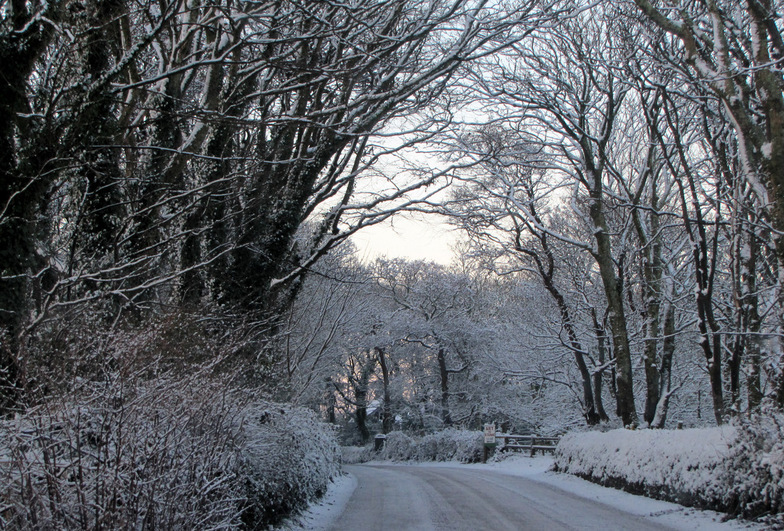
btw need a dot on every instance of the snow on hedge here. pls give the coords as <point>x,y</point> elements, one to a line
<point>287,459</point>
<point>125,454</point>
<point>756,471</point>
<point>686,466</point>
<point>738,468</point>
<point>171,453</point>
<point>446,445</point>
<point>451,445</point>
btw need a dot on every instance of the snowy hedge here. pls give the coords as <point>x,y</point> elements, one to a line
<point>446,445</point>
<point>451,445</point>
<point>167,453</point>
<point>686,466</point>
<point>287,458</point>
<point>738,469</point>
<point>756,469</point>
<point>398,447</point>
<point>128,455</point>
<point>352,455</point>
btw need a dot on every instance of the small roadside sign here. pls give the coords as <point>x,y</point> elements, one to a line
<point>489,433</point>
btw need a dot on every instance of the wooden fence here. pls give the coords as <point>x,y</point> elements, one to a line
<point>526,443</point>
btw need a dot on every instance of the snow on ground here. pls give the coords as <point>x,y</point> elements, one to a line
<point>323,513</point>
<point>666,513</point>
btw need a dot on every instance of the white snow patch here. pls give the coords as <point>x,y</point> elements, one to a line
<point>322,513</point>
<point>767,150</point>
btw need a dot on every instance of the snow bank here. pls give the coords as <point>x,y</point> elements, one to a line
<point>322,513</point>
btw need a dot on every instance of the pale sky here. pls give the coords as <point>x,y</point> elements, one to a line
<point>419,238</point>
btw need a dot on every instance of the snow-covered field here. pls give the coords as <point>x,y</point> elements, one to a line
<point>321,515</point>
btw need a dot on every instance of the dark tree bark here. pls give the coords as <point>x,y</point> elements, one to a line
<point>598,375</point>
<point>24,181</point>
<point>443,375</point>
<point>387,415</point>
<point>361,389</point>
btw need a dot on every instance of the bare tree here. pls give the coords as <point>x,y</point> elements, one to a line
<point>171,154</point>
<point>503,204</point>
<point>562,91</point>
<point>436,302</point>
<point>734,51</point>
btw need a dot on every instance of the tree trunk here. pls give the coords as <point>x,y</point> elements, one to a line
<point>23,187</point>
<point>759,126</point>
<point>361,389</point>
<point>652,275</point>
<point>620,336</point>
<point>545,265</point>
<point>387,420</point>
<point>360,415</point>
<point>598,376</point>
<point>752,325</point>
<point>444,376</point>
<point>331,401</point>
<point>593,414</point>
<point>665,372</point>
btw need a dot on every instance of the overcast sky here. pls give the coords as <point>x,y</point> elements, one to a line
<point>420,238</point>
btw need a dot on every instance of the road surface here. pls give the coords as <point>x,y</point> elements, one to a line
<point>429,498</point>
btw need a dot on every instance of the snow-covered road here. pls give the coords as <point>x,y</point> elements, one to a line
<point>396,497</point>
<point>513,495</point>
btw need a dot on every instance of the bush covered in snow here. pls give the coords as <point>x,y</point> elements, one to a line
<point>287,458</point>
<point>451,445</point>
<point>182,454</point>
<point>351,455</point>
<point>755,470</point>
<point>398,447</point>
<point>446,445</point>
<point>150,430</point>
<point>157,453</point>
<point>686,466</point>
<point>737,469</point>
